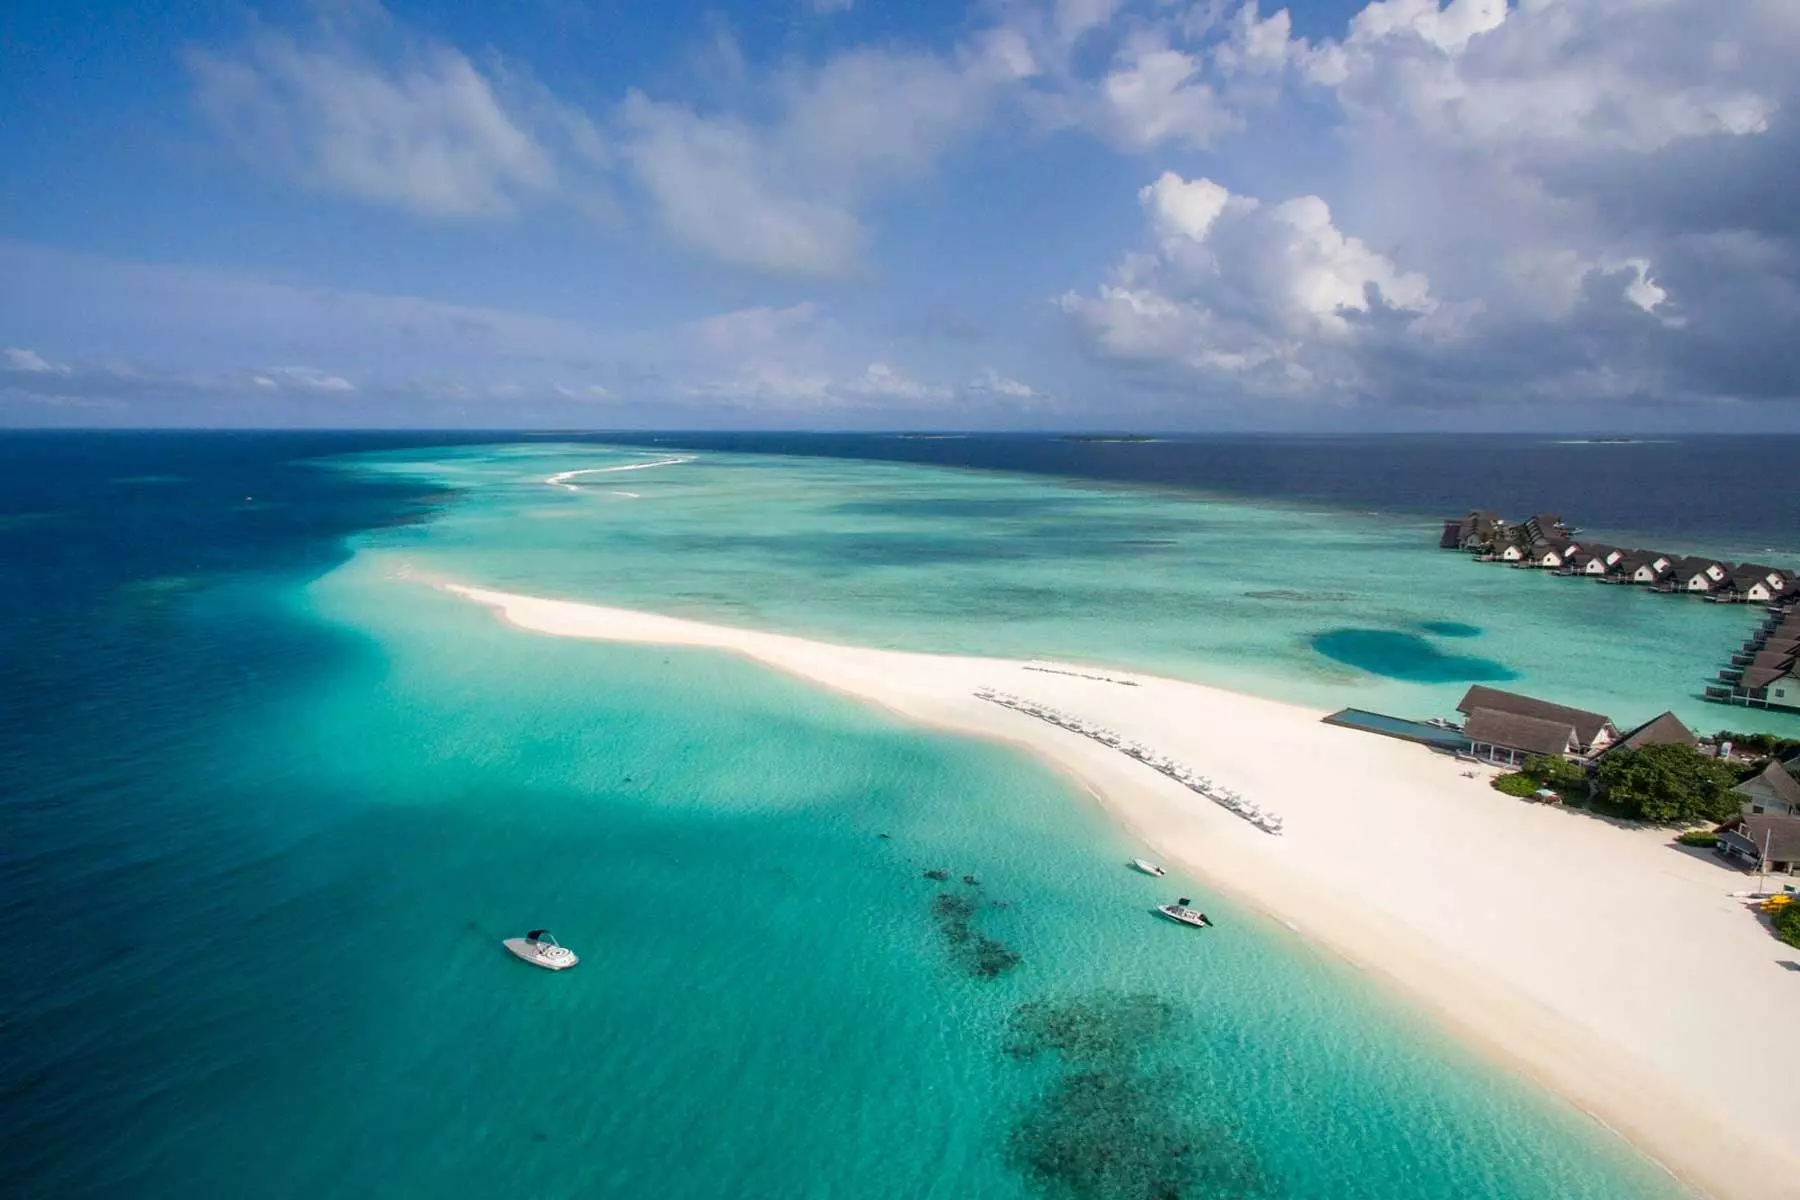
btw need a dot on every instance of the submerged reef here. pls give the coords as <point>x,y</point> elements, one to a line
<point>1115,1124</point>
<point>974,951</point>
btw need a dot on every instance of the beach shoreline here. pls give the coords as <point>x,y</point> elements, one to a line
<point>1596,961</point>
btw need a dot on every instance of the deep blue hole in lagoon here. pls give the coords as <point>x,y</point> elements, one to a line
<point>1405,656</point>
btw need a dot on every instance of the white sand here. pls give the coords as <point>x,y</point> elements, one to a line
<point>1600,961</point>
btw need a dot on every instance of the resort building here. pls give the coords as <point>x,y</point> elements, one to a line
<point>1777,579</point>
<point>1546,527</point>
<point>1593,560</point>
<point>1644,566</point>
<point>1773,791</point>
<point>1766,842</point>
<point>1504,727</point>
<point>1776,686</point>
<point>1510,739</point>
<point>1666,730</point>
<point>1547,555</point>
<point>1471,532</point>
<point>1695,575</point>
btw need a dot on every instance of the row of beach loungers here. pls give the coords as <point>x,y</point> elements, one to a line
<point>1224,797</point>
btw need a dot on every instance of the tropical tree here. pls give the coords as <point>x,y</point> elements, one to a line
<point>1668,784</point>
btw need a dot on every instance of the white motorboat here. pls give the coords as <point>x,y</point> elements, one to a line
<point>1148,868</point>
<point>1180,913</point>
<point>541,950</point>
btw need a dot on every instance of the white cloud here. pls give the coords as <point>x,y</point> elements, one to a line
<point>305,379</point>
<point>884,382</point>
<point>782,195</point>
<point>1448,29</point>
<point>753,328</point>
<point>30,362</point>
<point>1183,209</point>
<point>718,186</point>
<point>994,383</point>
<point>418,127</point>
<point>1272,294</point>
<point>1642,290</point>
<point>1633,75</point>
<point>1258,45</point>
<point>1157,94</point>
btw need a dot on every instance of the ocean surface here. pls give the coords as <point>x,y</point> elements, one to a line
<point>270,802</point>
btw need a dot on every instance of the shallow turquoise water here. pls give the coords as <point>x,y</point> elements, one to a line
<point>1320,607</point>
<point>269,829</point>
<point>767,1004</point>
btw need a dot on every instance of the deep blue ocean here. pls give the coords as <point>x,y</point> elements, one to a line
<point>238,840</point>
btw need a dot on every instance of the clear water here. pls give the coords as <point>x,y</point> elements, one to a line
<point>1320,606</point>
<point>269,810</point>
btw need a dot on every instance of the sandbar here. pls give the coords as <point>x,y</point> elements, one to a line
<point>1597,959</point>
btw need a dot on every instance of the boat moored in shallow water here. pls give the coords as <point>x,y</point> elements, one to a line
<point>1182,914</point>
<point>540,949</point>
<point>1148,868</point>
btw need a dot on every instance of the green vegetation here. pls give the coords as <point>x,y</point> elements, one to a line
<point>1558,774</point>
<point>1667,784</point>
<point>1787,924</point>
<point>1761,743</point>
<point>1517,784</point>
<point>1699,837</point>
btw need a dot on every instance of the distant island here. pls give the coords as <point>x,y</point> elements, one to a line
<point>1107,437</point>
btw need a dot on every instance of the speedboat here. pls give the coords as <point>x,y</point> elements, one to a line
<point>1148,868</point>
<point>541,950</point>
<point>1180,912</point>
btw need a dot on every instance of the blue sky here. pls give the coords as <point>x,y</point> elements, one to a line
<point>1399,214</point>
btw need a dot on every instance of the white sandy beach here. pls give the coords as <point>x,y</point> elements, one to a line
<point>1598,960</point>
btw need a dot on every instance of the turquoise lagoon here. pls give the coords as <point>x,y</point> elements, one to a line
<point>260,870</point>
<point>772,1001</point>
<point>1320,607</point>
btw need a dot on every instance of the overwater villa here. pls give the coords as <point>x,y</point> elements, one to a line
<point>1765,672</point>
<point>1544,542</point>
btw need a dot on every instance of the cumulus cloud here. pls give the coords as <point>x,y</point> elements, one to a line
<point>1604,74</point>
<point>383,116</point>
<point>1269,294</point>
<point>1542,199</point>
<point>1505,206</point>
<point>1157,94</point>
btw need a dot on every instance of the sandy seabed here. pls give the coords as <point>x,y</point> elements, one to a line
<point>1601,961</point>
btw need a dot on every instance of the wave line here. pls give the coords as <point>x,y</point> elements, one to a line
<point>558,479</point>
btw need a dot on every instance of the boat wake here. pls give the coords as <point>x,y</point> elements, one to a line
<point>561,478</point>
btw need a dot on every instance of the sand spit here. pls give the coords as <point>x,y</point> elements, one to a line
<point>1597,960</point>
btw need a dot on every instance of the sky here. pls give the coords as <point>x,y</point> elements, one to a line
<point>866,214</point>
